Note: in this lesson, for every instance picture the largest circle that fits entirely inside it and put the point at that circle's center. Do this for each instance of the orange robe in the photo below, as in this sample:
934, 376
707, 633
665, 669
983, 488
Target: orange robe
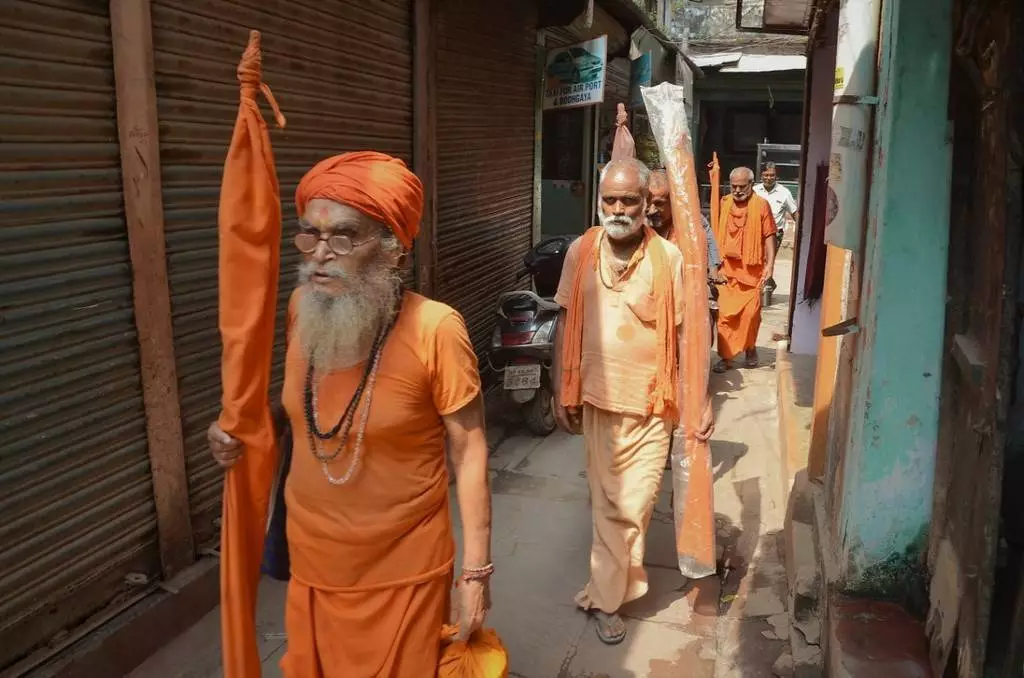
372, 560
741, 233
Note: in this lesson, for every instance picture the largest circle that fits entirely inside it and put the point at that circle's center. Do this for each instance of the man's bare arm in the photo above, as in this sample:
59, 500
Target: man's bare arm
769, 263
468, 448
556, 353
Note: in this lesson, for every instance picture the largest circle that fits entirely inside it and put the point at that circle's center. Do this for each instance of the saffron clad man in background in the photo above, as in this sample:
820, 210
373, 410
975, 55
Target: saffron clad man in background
376, 379
616, 379
746, 238
659, 216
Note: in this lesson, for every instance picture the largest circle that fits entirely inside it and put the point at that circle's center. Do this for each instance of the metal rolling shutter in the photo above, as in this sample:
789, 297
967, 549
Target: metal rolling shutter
342, 73
75, 489
486, 90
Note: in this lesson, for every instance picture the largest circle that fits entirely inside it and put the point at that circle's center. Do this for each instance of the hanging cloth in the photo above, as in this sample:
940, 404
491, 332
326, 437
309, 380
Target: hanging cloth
623, 148
716, 193
249, 227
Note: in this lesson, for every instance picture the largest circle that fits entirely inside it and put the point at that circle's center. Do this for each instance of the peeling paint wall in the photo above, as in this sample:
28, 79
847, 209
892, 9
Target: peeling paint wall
889, 463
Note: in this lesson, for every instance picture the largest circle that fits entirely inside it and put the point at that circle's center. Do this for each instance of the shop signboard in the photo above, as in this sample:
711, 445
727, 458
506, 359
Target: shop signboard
575, 75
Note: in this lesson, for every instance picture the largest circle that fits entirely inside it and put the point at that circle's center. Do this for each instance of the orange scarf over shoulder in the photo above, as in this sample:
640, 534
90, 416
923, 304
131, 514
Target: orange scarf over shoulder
662, 400
751, 241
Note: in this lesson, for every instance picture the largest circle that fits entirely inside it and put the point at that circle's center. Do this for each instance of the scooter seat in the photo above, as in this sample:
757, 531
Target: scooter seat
542, 303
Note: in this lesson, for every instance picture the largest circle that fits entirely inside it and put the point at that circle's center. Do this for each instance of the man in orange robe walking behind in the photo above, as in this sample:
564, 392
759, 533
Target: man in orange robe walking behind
746, 239
376, 380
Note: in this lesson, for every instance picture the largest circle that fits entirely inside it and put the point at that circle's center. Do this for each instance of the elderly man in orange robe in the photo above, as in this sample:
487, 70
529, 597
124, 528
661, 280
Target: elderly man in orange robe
376, 380
616, 376
746, 239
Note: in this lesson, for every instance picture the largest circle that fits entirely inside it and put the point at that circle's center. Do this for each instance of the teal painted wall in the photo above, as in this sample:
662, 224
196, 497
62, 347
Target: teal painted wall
890, 459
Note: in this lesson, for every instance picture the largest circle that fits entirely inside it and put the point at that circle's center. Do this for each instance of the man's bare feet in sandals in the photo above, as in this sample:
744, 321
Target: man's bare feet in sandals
611, 630
722, 367
751, 359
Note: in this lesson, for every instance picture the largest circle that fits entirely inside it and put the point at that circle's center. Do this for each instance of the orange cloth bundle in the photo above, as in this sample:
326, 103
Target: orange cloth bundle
623, 148
482, 656
249, 223
692, 478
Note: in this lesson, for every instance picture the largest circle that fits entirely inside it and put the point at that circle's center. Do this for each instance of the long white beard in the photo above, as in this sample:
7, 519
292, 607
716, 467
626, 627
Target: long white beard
337, 332
618, 227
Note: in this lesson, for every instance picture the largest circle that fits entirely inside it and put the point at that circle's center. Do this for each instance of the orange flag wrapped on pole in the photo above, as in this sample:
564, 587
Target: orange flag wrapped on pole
692, 479
249, 226
623, 147
716, 191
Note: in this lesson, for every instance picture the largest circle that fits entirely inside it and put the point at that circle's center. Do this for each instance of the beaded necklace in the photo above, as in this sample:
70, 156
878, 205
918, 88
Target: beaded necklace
317, 438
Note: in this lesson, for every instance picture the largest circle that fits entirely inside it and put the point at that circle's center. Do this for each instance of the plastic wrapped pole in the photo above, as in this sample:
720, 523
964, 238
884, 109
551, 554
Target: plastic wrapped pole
692, 479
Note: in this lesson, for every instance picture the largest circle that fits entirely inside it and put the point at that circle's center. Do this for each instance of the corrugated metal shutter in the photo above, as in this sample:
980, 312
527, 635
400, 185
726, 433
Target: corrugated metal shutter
75, 489
486, 90
342, 73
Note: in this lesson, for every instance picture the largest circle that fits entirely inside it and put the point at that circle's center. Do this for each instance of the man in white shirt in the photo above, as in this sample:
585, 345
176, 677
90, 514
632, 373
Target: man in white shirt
780, 199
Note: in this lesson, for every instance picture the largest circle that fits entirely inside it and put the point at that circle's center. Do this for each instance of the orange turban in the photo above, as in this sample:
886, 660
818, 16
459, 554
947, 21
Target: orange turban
379, 186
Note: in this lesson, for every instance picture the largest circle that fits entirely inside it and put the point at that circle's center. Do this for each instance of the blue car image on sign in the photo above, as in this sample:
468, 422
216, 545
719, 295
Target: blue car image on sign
575, 75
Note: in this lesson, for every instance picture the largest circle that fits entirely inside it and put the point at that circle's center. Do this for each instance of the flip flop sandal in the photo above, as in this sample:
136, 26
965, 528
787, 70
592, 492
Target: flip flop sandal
611, 630
752, 363
722, 367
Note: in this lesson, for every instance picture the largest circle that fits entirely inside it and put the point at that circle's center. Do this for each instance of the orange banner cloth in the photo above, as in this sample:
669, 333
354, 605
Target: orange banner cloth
692, 477
716, 193
623, 147
249, 226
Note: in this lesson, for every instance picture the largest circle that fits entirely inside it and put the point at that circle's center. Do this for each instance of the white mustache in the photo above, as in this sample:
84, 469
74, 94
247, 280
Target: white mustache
616, 220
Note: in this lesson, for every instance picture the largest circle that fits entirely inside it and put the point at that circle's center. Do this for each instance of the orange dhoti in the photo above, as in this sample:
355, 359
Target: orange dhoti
739, 312
393, 632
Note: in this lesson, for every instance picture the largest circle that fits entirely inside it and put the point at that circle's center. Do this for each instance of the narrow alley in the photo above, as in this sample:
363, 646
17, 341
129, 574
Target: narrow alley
732, 626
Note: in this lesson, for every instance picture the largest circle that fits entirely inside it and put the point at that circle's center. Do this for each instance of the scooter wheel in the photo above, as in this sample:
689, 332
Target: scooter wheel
538, 413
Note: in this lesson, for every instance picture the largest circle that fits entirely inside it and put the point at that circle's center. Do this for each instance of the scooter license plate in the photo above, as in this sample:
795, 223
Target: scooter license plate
518, 377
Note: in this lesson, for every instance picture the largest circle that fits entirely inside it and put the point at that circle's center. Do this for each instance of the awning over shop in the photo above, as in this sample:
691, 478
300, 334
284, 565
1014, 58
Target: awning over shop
738, 62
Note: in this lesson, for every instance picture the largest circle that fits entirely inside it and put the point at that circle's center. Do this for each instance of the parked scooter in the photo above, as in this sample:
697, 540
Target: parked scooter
523, 339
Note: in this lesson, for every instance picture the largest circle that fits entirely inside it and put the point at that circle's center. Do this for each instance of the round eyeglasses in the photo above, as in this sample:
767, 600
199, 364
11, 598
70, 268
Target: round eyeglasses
342, 245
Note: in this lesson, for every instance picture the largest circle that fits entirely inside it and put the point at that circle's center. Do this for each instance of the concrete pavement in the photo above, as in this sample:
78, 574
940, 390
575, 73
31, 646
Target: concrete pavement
731, 626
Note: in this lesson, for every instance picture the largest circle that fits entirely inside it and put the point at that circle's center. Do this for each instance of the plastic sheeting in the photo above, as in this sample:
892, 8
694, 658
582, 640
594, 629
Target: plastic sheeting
692, 479
249, 226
